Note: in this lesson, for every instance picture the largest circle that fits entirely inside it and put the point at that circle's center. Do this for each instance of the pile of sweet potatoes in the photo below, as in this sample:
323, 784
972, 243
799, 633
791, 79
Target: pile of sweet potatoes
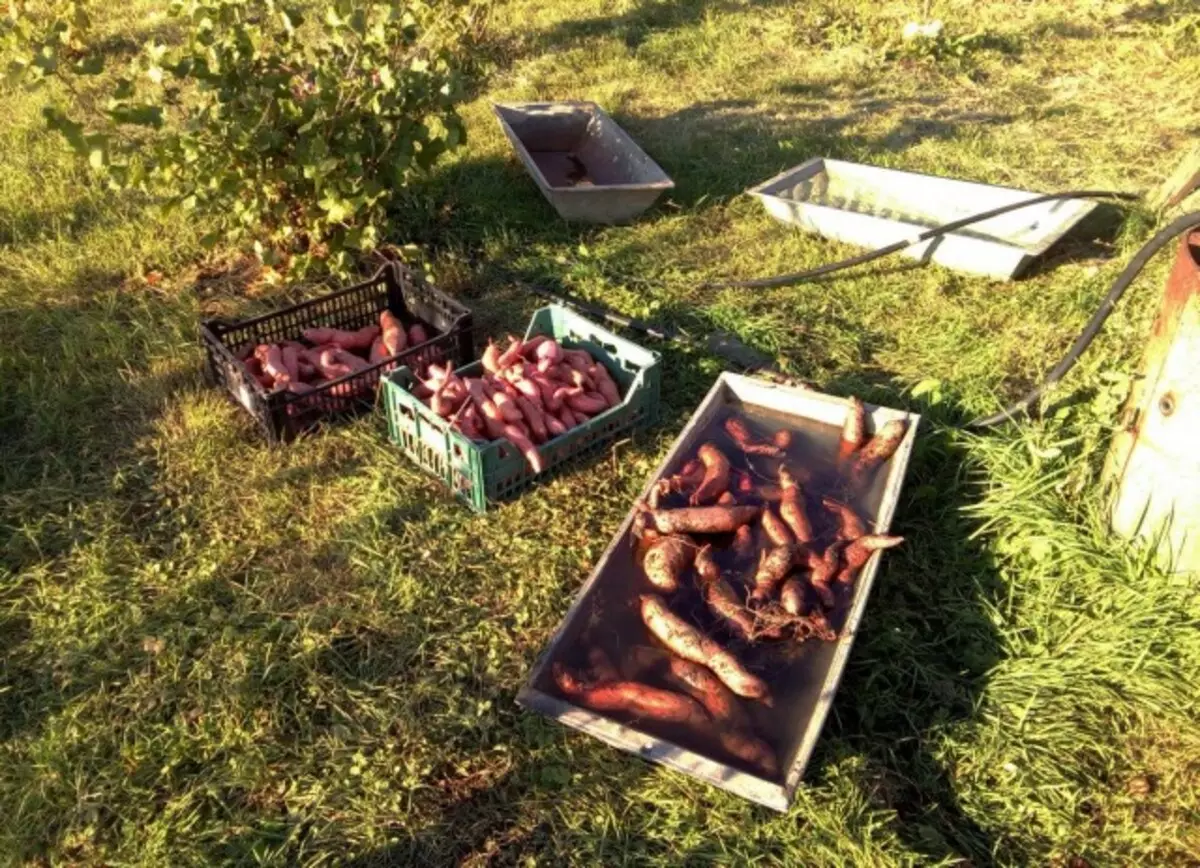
328, 354
735, 551
528, 393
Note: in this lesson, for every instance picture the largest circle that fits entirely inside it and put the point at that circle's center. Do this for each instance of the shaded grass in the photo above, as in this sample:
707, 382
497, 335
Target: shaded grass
215, 652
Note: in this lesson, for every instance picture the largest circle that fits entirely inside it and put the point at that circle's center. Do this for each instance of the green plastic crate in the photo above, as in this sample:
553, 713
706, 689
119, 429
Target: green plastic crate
482, 473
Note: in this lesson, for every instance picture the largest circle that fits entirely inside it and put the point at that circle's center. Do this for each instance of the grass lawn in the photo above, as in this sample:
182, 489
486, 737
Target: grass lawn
212, 652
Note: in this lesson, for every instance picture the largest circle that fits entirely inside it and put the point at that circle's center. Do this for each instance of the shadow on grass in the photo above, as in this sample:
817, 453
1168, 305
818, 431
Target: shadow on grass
645, 18
926, 645
718, 149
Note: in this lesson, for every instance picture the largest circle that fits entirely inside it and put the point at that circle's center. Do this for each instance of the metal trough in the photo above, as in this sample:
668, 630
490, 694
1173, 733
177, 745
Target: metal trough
803, 679
873, 207
586, 166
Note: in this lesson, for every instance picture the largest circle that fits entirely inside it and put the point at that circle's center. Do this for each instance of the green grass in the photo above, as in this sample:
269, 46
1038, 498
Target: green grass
216, 653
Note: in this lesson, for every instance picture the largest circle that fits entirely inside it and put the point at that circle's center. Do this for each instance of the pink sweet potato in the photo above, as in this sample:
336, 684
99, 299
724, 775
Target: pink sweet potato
590, 403
417, 335
549, 351
512, 355
395, 340
271, 358
534, 418
519, 438
506, 405
491, 358
605, 384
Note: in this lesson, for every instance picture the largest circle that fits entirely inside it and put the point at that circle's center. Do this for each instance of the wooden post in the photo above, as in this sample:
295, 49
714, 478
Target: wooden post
1184, 181
1155, 457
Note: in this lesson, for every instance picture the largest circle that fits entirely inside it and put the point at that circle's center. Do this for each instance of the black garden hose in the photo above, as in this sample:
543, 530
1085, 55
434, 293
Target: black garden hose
1161, 238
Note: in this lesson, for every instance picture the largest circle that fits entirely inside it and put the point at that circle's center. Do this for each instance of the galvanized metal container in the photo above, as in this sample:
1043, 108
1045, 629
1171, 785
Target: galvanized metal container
586, 166
806, 682
873, 207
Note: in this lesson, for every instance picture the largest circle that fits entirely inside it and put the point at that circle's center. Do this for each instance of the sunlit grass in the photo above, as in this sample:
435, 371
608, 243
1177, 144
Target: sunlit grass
212, 652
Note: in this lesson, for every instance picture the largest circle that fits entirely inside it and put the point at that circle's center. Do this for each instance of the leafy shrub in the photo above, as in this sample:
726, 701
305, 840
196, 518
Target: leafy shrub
294, 135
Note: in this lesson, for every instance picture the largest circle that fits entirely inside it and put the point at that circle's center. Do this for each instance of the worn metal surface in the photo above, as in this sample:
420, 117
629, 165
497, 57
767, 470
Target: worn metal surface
1155, 457
586, 166
818, 674
873, 207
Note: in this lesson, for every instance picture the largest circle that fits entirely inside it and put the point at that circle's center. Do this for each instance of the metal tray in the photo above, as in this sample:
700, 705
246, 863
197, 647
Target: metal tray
873, 206
813, 676
586, 166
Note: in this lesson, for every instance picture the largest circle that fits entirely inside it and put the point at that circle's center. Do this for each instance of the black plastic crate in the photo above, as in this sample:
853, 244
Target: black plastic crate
282, 415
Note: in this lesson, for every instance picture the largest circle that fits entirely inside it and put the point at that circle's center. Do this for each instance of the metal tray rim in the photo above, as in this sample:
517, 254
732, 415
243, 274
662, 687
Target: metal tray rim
532, 167
1052, 236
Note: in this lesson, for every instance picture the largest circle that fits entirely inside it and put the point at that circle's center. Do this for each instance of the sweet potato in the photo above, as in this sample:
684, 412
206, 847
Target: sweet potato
491, 358
360, 339
271, 358
773, 564
850, 526
549, 351
379, 351
701, 519
716, 475
417, 335
853, 429
859, 551
529, 389
291, 361
530, 347
775, 529
345, 358
554, 426
822, 565
667, 560
519, 438
720, 596
726, 499
493, 421
590, 403
743, 541
580, 380
633, 698
395, 341
580, 360
512, 355
534, 418
506, 405
605, 384
879, 448
550, 398
791, 597
734, 730
689, 643
742, 436
442, 403
254, 366
683, 482
791, 507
